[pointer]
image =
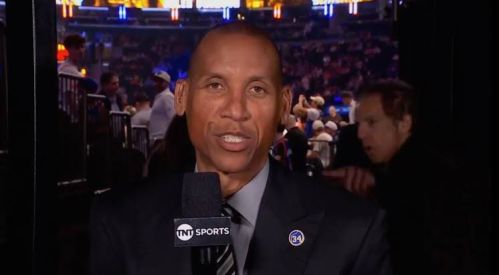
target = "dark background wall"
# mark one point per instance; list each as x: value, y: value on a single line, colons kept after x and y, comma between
x: 28, y: 185
x: 446, y: 52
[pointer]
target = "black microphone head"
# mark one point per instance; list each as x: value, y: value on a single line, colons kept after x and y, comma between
x: 201, y: 195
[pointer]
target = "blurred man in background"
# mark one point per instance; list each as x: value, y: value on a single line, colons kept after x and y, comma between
x: 162, y: 111
x: 75, y: 45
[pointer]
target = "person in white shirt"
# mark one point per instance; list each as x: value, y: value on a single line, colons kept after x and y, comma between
x: 75, y: 45
x: 349, y: 101
x: 320, y: 143
x: 143, y: 107
x: 163, y: 110
x: 332, y: 129
x: 309, y: 111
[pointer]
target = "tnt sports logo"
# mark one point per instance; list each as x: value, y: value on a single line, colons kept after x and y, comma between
x: 185, y: 232
x: 296, y: 238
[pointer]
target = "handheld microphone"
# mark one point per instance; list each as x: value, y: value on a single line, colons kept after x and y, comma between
x: 202, y: 227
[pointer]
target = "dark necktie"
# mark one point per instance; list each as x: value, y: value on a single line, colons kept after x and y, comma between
x: 226, y: 261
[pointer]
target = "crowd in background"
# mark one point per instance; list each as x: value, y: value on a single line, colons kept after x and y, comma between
x: 323, y: 62
x: 334, y: 60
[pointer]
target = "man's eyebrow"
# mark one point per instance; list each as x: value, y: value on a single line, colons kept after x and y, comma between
x: 211, y: 75
x: 259, y: 78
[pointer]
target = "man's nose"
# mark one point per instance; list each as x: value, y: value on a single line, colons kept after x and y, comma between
x: 361, y: 131
x: 236, y: 106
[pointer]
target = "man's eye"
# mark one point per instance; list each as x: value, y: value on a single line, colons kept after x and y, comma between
x: 215, y: 86
x: 371, y: 122
x: 258, y: 91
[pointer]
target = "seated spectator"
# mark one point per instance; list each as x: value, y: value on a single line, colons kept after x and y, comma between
x: 332, y: 129
x: 332, y: 116
x: 320, y: 143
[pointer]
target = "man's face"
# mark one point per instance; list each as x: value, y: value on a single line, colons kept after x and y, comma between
x: 346, y: 100
x: 76, y: 53
x: 381, y: 135
x: 112, y: 86
x: 332, y: 111
x: 234, y: 102
x: 160, y: 84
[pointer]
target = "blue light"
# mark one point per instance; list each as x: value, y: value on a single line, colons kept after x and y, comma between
x: 182, y: 74
x: 227, y: 13
x: 331, y: 9
x: 83, y: 8
x: 122, y: 12
x: 325, y: 9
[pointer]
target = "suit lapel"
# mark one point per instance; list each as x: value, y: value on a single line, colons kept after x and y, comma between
x: 281, y: 212
x: 156, y: 253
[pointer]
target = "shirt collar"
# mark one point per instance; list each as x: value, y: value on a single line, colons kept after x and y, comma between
x: 165, y: 91
x: 247, y: 200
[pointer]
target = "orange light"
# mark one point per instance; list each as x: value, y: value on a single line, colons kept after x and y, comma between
x: 64, y: 15
x: 67, y: 8
x: 174, y: 14
x: 254, y: 4
x: 83, y: 72
x: 277, y: 11
x: 62, y: 53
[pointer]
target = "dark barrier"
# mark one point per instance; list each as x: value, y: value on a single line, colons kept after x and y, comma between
x: 70, y: 96
x: 120, y: 128
x: 140, y: 139
x: 72, y: 131
x: 96, y: 118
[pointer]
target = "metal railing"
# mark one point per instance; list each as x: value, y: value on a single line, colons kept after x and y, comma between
x: 120, y: 128
x: 140, y: 139
x: 84, y: 122
x: 72, y: 132
x: 70, y: 96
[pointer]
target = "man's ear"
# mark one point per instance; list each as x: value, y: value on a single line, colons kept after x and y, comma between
x: 405, y: 125
x: 181, y: 93
x: 286, y: 97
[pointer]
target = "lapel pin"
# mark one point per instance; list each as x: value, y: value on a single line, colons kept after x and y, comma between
x: 296, y: 237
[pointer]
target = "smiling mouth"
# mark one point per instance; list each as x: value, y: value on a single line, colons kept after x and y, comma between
x: 232, y: 138
x: 234, y: 142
